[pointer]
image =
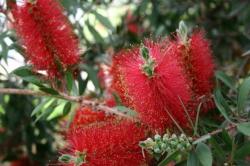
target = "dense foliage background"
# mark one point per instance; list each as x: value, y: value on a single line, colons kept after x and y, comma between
x: 104, y: 27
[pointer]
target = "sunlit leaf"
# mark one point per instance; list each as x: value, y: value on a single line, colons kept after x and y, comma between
x: 103, y: 20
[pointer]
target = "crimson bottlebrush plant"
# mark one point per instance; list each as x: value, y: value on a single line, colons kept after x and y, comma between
x: 47, y: 36
x: 165, y: 81
x: 104, y: 141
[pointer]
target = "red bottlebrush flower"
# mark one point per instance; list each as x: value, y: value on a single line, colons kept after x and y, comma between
x: 156, y: 95
x: 47, y: 36
x: 202, y: 62
x: 195, y: 58
x: 85, y: 116
x: 109, y: 143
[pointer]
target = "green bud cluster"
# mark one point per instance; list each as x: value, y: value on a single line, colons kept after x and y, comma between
x: 78, y: 159
x: 160, y: 145
x: 149, y: 63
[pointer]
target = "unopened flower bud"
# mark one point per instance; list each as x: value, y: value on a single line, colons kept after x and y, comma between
x: 157, y: 150
x: 157, y: 137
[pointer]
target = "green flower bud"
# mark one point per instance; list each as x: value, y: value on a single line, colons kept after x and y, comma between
x: 157, y: 137
x: 148, y: 140
x: 174, y: 143
x: 183, y: 136
x: 65, y: 158
x: 163, y: 146
x: 179, y: 146
x: 144, y: 52
x: 165, y: 137
x: 173, y: 136
x: 157, y: 150
x: 168, y: 149
x: 182, y: 32
x: 188, y: 146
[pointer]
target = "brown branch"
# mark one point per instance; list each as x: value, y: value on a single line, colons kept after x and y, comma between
x: 38, y: 93
x: 78, y: 99
x: 215, y: 132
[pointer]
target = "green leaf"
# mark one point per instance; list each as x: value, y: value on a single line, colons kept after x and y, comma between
x: 39, y: 107
x: 69, y: 80
x: 169, y: 158
x: 221, y: 104
x: 49, y: 90
x: 192, y: 159
x: 218, y: 151
x: 243, y: 151
x: 244, y: 128
x: 126, y: 110
x: 26, y: 74
x: 24, y: 71
x: 227, y: 139
x: 61, y: 110
x: 204, y: 154
x: 228, y: 81
x: 98, y: 38
x: 103, y: 20
x: 47, y: 111
x: 67, y: 108
x: 244, y: 90
x: 4, y: 52
x: 34, y: 80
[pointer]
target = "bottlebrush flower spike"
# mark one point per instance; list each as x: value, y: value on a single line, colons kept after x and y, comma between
x: 47, y: 35
x: 195, y: 57
x: 111, y: 142
x: 151, y: 81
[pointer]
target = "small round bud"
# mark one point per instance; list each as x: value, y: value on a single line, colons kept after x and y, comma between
x: 183, y: 135
x: 188, y: 146
x: 165, y: 137
x: 173, y: 136
x: 179, y: 146
x: 168, y: 149
x: 149, y: 140
x: 173, y: 143
x: 157, y: 150
x: 163, y: 146
x: 157, y: 137
x: 181, y: 140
